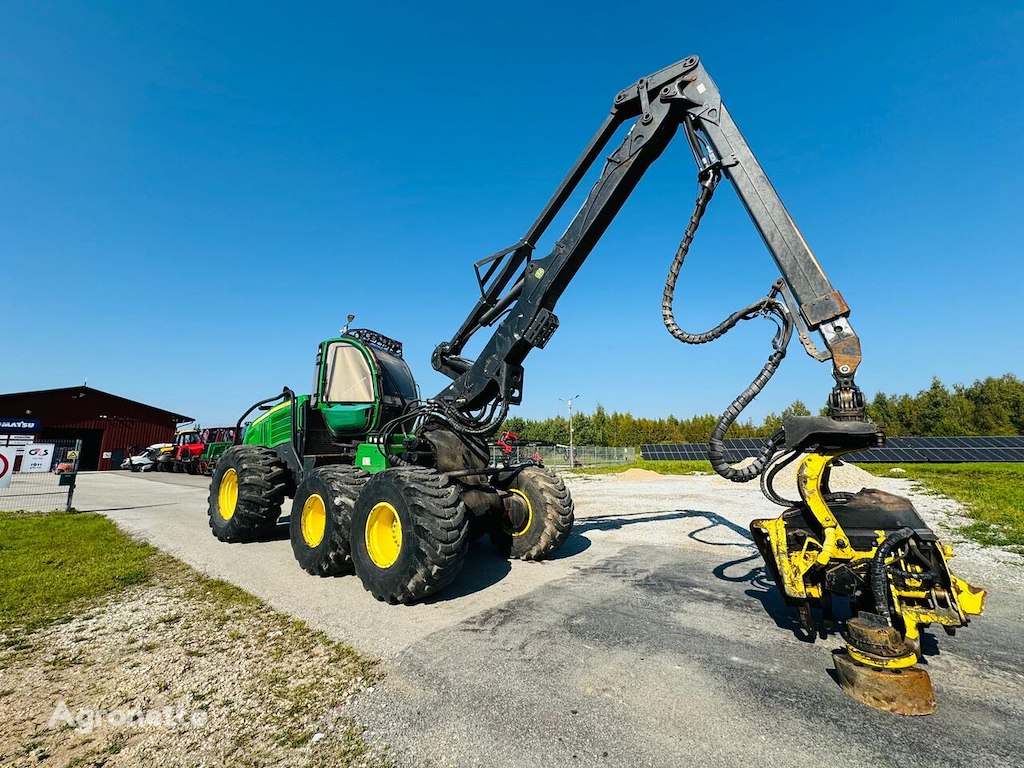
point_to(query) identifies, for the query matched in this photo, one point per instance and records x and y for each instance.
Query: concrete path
(653, 640)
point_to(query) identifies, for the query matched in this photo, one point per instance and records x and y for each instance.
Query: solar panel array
(911, 450)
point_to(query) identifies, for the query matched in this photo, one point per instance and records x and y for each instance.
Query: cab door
(347, 389)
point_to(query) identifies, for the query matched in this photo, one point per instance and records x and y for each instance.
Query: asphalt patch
(650, 657)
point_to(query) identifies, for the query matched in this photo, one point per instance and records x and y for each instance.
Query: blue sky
(192, 195)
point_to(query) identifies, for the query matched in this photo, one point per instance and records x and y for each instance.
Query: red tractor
(186, 452)
(186, 445)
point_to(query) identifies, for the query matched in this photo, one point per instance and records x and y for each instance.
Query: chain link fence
(557, 456)
(38, 477)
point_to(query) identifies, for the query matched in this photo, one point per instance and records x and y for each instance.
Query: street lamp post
(572, 452)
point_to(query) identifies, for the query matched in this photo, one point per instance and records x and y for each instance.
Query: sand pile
(845, 477)
(640, 474)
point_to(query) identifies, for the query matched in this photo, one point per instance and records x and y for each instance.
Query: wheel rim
(227, 496)
(383, 535)
(529, 513)
(314, 520)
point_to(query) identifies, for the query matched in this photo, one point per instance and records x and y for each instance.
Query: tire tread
(558, 511)
(262, 482)
(346, 482)
(440, 537)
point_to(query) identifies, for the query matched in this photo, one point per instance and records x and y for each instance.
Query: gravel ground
(181, 674)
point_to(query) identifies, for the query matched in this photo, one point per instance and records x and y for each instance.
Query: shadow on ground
(484, 565)
(118, 509)
(748, 569)
(483, 568)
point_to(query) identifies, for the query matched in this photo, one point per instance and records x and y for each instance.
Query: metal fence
(38, 477)
(557, 456)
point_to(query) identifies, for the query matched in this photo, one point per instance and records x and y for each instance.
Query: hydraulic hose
(776, 465)
(879, 575)
(477, 425)
(767, 306)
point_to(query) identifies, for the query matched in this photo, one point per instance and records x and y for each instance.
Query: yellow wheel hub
(314, 520)
(383, 535)
(227, 494)
(529, 513)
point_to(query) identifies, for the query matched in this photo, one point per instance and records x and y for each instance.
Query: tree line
(991, 406)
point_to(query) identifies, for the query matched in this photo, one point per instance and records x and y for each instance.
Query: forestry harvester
(392, 486)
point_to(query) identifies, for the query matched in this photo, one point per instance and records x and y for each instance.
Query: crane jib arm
(523, 290)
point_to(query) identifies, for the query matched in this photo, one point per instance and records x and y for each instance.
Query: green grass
(662, 467)
(992, 494)
(52, 563)
(222, 593)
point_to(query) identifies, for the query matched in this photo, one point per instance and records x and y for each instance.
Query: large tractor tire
(543, 516)
(321, 519)
(409, 534)
(246, 493)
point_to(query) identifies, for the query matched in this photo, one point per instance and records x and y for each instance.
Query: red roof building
(108, 425)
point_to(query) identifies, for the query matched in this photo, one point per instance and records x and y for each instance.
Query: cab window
(398, 380)
(348, 377)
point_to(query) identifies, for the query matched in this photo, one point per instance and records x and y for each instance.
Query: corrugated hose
(769, 306)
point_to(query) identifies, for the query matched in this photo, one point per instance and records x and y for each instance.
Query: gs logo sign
(38, 457)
